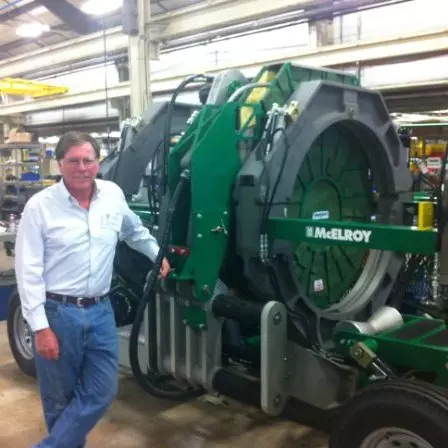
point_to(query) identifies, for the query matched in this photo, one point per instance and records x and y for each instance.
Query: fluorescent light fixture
(101, 7)
(38, 11)
(32, 29)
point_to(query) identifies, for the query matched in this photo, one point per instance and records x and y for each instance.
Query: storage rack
(14, 157)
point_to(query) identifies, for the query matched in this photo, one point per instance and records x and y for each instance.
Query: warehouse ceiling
(27, 25)
(62, 20)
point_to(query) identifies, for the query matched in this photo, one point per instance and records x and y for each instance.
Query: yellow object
(49, 182)
(255, 96)
(293, 110)
(419, 148)
(435, 148)
(25, 87)
(425, 218)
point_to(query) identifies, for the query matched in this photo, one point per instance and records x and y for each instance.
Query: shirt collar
(66, 194)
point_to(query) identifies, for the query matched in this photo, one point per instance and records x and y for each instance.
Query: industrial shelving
(17, 159)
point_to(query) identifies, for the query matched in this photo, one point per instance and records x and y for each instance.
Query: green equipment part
(293, 218)
(286, 207)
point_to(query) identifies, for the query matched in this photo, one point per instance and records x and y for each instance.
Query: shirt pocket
(109, 228)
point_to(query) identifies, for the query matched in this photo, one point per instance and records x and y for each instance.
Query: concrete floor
(137, 420)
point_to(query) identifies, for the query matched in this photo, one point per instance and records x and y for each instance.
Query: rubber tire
(411, 405)
(27, 366)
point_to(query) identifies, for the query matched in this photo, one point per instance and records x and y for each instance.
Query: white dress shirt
(65, 249)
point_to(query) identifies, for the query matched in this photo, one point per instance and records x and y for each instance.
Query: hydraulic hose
(169, 117)
(144, 380)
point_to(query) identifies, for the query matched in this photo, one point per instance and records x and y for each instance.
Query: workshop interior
(298, 190)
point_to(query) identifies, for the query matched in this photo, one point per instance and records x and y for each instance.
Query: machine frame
(225, 175)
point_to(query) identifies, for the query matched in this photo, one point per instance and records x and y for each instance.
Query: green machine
(286, 207)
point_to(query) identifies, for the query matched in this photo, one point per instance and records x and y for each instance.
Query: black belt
(81, 302)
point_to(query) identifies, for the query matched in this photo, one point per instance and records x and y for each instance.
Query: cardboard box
(19, 137)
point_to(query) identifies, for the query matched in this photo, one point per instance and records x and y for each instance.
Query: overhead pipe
(8, 5)
(285, 20)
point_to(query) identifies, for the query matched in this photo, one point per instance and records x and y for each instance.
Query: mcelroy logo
(356, 236)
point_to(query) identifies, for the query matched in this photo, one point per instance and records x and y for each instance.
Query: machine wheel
(394, 414)
(19, 336)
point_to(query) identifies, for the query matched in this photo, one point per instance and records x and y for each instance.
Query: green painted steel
(210, 149)
(365, 235)
(207, 206)
(288, 77)
(327, 221)
(420, 345)
(334, 180)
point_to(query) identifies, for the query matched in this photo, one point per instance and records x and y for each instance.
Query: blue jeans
(77, 389)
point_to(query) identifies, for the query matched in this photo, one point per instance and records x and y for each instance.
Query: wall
(403, 18)
(92, 112)
(425, 70)
(91, 77)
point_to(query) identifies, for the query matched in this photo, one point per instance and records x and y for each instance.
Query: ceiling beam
(78, 21)
(365, 53)
(331, 56)
(254, 14)
(203, 17)
(58, 30)
(64, 54)
(17, 11)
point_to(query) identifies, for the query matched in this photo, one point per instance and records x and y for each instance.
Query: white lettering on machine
(335, 234)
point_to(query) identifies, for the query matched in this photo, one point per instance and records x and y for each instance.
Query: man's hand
(165, 268)
(47, 344)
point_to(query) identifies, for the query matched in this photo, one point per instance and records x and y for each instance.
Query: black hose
(152, 194)
(271, 195)
(167, 132)
(147, 382)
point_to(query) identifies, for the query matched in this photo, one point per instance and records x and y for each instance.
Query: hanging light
(32, 29)
(101, 7)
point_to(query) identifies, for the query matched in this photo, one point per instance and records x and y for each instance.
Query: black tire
(413, 407)
(16, 333)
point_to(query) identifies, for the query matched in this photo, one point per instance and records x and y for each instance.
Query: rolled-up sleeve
(29, 268)
(135, 234)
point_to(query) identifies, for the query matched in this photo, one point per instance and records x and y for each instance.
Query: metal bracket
(273, 358)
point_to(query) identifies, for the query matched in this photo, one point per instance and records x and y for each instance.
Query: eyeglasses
(77, 162)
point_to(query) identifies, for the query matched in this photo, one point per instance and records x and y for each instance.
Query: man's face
(79, 167)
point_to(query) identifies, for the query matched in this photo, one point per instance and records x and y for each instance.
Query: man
(64, 255)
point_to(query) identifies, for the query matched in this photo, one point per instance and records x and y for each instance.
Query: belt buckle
(79, 302)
